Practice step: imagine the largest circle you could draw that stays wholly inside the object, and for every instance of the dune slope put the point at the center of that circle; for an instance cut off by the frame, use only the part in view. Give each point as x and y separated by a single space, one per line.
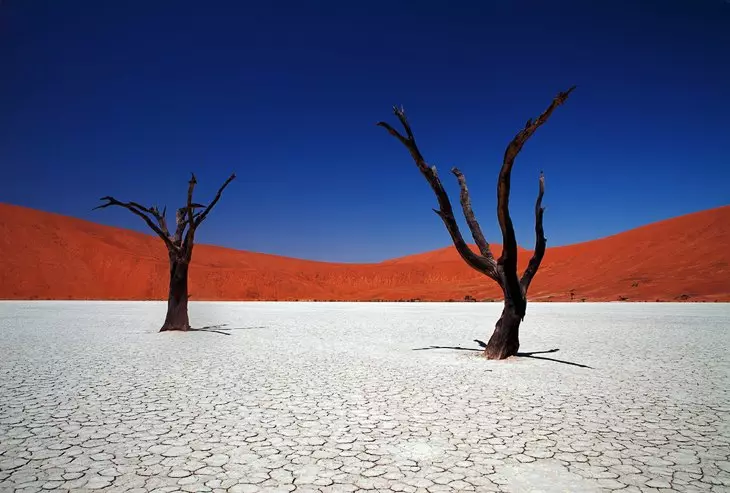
49 256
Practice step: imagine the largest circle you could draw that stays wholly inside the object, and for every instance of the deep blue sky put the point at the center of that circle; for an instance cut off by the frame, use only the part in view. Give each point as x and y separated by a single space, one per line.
128 97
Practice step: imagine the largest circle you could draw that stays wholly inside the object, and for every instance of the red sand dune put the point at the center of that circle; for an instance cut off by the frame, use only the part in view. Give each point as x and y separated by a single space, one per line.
49 256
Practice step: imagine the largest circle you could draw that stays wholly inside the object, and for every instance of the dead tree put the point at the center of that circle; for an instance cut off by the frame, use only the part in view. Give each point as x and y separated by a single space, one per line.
179 246
504 341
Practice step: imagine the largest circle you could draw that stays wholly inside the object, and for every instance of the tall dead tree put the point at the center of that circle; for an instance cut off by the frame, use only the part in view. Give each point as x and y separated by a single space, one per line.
504 341
179 246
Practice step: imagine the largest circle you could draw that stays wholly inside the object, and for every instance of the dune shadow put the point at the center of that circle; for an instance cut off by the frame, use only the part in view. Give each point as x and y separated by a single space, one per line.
222 329
530 354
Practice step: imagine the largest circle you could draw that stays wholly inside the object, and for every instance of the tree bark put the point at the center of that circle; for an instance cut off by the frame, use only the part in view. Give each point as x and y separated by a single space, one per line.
177 297
505 340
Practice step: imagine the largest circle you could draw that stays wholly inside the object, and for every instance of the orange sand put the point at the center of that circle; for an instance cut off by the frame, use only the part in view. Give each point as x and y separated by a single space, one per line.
49 256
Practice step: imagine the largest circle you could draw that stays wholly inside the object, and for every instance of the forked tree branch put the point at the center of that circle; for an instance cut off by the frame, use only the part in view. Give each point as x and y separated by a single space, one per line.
508 259
540 241
195 219
480 263
181 219
161 219
156 214
142 212
186 219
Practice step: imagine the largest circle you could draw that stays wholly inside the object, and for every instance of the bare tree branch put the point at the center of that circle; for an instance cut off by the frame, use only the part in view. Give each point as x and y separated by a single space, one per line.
394 132
508 259
190 234
540 240
181 222
161 219
476 230
154 211
142 212
202 215
445 211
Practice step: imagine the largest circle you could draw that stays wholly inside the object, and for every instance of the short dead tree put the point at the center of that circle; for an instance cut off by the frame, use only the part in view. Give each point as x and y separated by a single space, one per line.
504 341
179 246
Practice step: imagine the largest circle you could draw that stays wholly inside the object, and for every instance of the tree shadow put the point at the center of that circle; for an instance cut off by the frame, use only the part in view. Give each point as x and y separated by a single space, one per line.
219 329
530 354
456 348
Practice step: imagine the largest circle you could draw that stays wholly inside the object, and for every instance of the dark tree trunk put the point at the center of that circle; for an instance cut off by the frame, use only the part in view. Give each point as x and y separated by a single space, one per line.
505 340
177 300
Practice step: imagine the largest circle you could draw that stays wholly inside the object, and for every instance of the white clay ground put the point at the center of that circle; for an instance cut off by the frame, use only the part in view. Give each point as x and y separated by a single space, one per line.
333 397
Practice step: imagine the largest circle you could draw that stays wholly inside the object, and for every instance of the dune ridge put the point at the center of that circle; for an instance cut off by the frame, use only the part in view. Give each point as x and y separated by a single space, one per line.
50 256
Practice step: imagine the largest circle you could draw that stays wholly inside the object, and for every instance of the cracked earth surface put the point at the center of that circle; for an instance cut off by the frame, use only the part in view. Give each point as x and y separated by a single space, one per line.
333 398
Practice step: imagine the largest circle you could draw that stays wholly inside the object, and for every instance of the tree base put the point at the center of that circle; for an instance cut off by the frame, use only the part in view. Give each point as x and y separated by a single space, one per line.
177 316
499 353
166 328
505 340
